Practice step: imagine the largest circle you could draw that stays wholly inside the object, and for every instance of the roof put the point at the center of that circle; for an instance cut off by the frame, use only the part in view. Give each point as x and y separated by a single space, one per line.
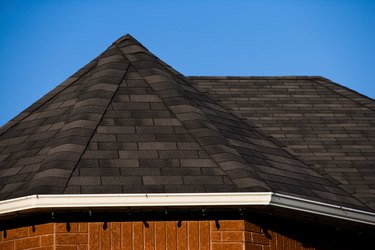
328 126
128 123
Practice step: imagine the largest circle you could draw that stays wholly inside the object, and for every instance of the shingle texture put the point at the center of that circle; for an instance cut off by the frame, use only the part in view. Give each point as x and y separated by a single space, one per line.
329 127
129 123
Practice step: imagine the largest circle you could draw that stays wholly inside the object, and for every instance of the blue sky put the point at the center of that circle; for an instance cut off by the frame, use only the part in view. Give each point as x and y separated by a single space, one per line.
44 42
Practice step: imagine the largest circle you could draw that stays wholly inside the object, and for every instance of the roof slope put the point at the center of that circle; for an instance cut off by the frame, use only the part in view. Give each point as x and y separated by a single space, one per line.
129 123
327 125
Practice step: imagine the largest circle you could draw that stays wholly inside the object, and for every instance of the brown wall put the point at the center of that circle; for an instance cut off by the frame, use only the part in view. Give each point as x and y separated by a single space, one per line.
203 234
215 235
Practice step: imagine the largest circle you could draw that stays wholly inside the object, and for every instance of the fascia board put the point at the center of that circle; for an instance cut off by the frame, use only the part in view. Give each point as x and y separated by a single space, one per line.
132 200
67 201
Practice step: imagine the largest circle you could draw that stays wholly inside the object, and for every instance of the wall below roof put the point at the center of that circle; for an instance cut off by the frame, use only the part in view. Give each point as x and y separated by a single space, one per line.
173 234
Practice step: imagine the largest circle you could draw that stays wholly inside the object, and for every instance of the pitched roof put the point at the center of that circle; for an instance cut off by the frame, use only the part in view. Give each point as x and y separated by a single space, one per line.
129 123
328 126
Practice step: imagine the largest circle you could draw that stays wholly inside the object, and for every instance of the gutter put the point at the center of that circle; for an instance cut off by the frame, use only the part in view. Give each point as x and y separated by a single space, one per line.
39 202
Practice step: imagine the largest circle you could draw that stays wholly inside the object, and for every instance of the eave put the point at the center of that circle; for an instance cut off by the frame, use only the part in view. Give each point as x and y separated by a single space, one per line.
35 203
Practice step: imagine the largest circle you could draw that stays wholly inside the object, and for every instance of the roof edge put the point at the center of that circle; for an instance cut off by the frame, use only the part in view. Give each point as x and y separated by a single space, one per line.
74 201
322 208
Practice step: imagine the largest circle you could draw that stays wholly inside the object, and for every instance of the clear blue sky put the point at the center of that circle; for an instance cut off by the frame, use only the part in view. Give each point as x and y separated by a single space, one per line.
43 42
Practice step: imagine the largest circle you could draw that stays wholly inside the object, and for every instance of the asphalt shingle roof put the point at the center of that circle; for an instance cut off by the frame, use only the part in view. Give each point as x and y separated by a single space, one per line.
128 123
328 126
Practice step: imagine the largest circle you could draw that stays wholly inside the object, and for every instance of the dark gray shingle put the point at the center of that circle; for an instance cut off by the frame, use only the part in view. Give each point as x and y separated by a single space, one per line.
128 123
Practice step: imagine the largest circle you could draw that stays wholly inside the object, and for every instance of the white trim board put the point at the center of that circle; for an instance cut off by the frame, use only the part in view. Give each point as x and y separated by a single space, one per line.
36 202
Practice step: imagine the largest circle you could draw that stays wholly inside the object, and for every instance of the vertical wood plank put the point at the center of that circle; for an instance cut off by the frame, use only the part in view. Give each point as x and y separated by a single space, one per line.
171 228
105 235
204 235
126 236
193 235
116 235
93 235
182 236
138 235
149 231
161 233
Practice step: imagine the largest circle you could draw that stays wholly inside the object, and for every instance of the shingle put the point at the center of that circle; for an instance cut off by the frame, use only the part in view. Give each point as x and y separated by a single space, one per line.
143 189
158 106
30 168
88 163
9 171
115 129
157 146
12 141
162 180
61 173
79 124
175 154
117 146
119 163
100 189
188 146
30 160
69 147
84 180
155 129
212 171
151 114
167 122
121 180
104 137
100 154
140 171
99 171
149 129
186 188
10 187
133 121
135 137
131 106
198 163
62 156
203 180
181 171
117 114
138 154
145 98
174 137
159 163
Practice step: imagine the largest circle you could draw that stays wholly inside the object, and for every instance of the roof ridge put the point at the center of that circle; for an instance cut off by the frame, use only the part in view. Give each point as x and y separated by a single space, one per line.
341 90
47 97
234 168
182 111
233 77
97 124
62 156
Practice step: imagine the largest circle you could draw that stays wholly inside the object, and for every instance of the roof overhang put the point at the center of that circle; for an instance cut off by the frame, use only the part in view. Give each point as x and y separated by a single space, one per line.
92 201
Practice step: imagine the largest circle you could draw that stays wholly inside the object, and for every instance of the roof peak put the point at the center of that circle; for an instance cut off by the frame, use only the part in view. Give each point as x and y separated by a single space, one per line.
124 37
129 123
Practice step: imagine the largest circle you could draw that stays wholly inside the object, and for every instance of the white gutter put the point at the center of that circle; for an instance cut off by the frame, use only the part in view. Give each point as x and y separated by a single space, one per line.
37 202
321 208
